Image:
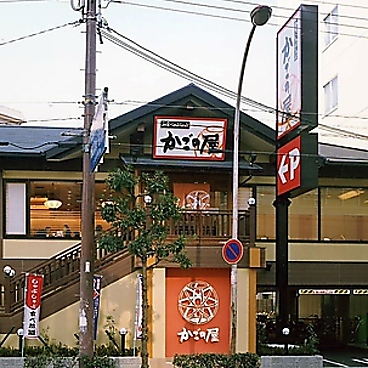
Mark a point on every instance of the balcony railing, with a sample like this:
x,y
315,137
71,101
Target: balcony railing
x,y
211,223
63,269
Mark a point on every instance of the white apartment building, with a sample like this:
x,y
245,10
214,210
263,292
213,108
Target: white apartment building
x,y
343,71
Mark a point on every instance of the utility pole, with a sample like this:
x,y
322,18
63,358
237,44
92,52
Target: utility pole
x,y
87,259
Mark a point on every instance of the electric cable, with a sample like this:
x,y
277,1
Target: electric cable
x,y
75,23
184,73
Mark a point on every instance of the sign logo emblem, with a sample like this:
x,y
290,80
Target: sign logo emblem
x,y
198,302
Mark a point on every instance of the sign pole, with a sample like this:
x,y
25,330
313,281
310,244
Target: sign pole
x,y
282,261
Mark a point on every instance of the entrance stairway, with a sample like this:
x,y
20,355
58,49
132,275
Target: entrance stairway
x,y
61,283
205,232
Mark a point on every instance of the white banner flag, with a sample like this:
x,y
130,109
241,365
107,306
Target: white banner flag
x,y
138,316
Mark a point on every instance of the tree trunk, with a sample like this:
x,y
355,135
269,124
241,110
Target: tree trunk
x,y
144,353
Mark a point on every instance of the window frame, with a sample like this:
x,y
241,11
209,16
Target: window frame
x,y
331,95
331,23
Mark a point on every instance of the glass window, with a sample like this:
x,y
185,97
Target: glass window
x,y
303,216
55,208
331,95
266,219
16,209
344,214
331,26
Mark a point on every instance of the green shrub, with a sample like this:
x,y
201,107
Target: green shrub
x,y
239,360
98,362
41,361
308,347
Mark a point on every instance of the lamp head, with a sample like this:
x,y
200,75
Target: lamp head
x,y
251,201
147,199
9,271
260,15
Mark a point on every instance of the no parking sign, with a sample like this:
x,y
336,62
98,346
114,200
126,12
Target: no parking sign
x,y
232,251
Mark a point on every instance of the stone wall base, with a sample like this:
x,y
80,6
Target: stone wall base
x,y
291,361
121,362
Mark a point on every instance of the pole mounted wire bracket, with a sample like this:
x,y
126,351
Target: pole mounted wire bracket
x,y
77,5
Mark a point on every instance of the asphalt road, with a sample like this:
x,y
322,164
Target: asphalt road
x,y
345,357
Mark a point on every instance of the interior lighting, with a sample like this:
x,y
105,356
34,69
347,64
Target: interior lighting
x,y
350,194
53,204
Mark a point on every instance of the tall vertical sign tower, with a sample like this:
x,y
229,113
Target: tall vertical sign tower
x,y
297,115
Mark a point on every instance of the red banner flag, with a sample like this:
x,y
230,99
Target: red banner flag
x,y
32,305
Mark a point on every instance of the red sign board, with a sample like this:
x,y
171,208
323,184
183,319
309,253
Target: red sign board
x,y
288,166
297,165
34,290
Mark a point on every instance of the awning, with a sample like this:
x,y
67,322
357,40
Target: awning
x,y
148,162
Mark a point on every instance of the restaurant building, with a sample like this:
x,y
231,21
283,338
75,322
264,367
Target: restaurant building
x,y
188,135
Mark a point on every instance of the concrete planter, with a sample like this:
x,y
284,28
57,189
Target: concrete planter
x,y
272,361
292,361
121,362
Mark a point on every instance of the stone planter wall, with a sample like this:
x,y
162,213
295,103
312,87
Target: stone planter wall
x,y
123,362
292,361
135,362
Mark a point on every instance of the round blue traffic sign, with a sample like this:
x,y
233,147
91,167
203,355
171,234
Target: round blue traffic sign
x,y
232,251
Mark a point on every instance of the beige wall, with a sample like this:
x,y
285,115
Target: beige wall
x,y
326,252
117,300
158,313
34,248
243,306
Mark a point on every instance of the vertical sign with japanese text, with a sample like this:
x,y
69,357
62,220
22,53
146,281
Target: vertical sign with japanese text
x,y
297,72
289,75
189,138
32,305
297,103
96,302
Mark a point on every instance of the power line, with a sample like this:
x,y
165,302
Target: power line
x,y
184,73
178,10
179,71
341,4
176,69
240,19
75,23
291,10
183,2
247,152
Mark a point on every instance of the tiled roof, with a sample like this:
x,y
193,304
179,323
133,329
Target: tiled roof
x,y
34,141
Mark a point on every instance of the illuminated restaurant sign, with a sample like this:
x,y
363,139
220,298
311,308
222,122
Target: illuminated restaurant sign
x,y
189,138
297,72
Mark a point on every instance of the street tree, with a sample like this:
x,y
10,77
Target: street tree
x,y
142,207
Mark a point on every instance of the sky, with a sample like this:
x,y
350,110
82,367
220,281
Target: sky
x,y
43,76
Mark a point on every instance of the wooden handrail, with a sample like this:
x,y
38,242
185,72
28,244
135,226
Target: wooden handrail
x,y
63,269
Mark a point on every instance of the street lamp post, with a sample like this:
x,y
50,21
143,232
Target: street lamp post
x,y
259,16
